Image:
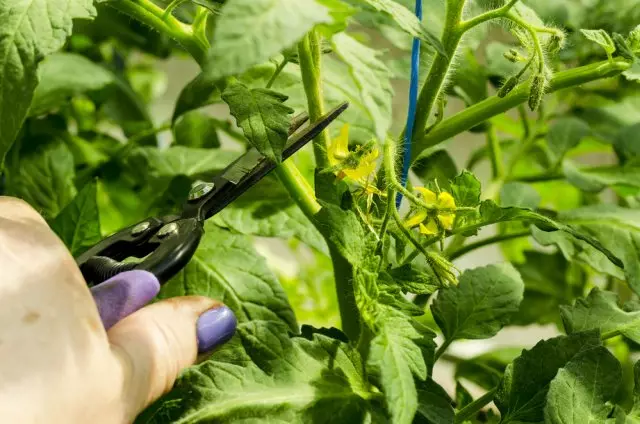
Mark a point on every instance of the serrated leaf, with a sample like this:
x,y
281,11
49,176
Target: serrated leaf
x,y
267,210
178,160
63,75
633,73
414,280
600,37
565,134
263,117
396,357
522,392
600,310
196,129
227,268
617,229
249,32
597,179
78,224
465,189
408,21
581,390
372,78
296,380
481,304
342,229
29,31
41,173
434,404
634,40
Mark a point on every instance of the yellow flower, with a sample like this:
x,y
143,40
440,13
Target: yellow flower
x,y
358,165
427,223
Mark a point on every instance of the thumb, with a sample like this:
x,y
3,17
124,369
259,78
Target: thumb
x,y
156,343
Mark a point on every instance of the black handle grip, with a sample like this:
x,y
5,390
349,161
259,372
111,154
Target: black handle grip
x,y
101,268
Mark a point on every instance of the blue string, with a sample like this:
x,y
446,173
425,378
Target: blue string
x,y
413,100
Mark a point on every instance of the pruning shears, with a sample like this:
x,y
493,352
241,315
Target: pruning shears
x,y
166,244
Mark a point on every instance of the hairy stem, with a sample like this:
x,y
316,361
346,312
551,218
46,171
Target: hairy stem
x,y
487,16
480,112
474,407
277,72
308,52
148,13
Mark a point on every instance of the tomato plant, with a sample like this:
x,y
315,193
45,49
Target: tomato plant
x,y
376,298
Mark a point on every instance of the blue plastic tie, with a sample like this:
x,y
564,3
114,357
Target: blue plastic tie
x,y
413,100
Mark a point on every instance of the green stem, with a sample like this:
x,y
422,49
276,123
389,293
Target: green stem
x,y
474,407
298,188
443,347
610,334
495,152
432,87
487,16
480,112
277,72
486,242
312,82
150,14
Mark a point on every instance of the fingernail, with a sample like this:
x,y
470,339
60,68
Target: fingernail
x,y
124,294
215,327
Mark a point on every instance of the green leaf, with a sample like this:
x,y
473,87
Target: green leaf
x,y
438,166
462,397
263,117
396,357
486,370
469,81
565,134
600,310
342,229
616,228
413,280
633,73
226,267
179,160
634,40
465,189
597,179
372,78
600,37
581,390
408,21
481,304
196,129
434,404
78,225
64,75
263,375
523,390
548,284
515,194
29,31
267,210
249,32
42,174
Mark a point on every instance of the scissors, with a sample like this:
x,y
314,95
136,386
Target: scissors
x,y
166,244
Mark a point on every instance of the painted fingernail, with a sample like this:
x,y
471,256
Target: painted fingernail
x,y
124,294
215,327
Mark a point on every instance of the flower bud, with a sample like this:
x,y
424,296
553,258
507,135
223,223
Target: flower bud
x,y
508,86
537,92
555,43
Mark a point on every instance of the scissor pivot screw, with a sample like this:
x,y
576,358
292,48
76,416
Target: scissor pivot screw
x,y
167,230
200,190
140,228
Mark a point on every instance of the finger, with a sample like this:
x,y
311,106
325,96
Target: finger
x,y
160,340
123,294
19,210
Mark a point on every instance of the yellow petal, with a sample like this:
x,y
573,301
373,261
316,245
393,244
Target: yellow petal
x,y
416,219
429,229
339,148
446,219
430,198
446,201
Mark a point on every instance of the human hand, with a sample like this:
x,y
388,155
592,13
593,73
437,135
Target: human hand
x,y
73,355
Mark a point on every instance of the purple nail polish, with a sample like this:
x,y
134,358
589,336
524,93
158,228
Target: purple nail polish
x,y
215,327
124,294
